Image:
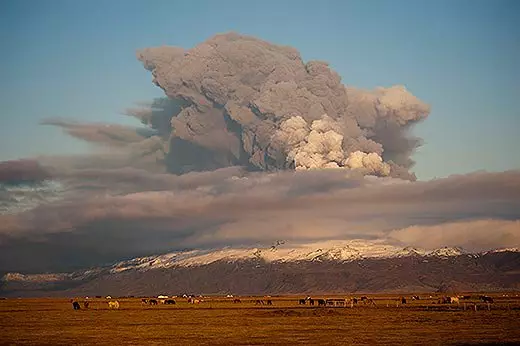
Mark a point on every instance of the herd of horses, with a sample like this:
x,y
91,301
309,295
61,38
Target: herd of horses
x,y
114,304
145,301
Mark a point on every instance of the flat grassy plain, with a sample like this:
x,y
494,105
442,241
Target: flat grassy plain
x,y
219,321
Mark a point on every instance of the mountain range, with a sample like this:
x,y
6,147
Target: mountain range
x,y
319,268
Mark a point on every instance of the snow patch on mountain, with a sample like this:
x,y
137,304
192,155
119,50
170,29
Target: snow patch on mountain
x,y
446,252
35,277
509,249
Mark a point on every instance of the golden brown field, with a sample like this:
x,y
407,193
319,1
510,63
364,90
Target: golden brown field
x,y
219,321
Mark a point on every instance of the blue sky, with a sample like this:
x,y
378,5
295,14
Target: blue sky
x,y
77,59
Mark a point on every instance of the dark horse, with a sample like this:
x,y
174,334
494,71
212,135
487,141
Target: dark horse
x,y
75,306
169,301
486,299
301,302
152,302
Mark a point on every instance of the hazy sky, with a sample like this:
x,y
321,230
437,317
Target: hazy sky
x,y
77,59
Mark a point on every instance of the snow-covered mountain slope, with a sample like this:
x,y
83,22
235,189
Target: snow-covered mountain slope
x,y
331,250
340,251
281,252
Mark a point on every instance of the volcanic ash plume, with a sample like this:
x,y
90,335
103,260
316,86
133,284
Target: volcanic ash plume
x,y
238,100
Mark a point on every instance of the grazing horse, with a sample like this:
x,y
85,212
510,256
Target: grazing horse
x,y
311,301
321,302
152,302
269,302
86,304
486,299
169,301
454,300
236,300
75,305
113,305
415,297
445,300
144,301
302,301
259,302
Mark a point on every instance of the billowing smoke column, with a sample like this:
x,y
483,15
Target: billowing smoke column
x,y
245,101
238,100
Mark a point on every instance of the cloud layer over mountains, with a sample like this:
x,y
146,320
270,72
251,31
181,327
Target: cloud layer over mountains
x,y
102,215
251,145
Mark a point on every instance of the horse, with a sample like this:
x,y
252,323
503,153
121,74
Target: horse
x,y
311,301
302,302
75,305
454,300
269,302
152,302
86,304
113,305
444,300
144,301
486,299
321,302
259,302
169,301
236,300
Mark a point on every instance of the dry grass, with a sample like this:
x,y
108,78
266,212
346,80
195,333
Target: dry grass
x,y
218,321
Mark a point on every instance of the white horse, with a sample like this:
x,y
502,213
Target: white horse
x,y
454,300
113,305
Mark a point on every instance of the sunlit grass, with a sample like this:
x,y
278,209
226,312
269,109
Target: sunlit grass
x,y
219,321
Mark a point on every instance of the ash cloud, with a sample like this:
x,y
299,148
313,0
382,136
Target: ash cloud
x,y
148,213
22,171
469,235
237,100
246,100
